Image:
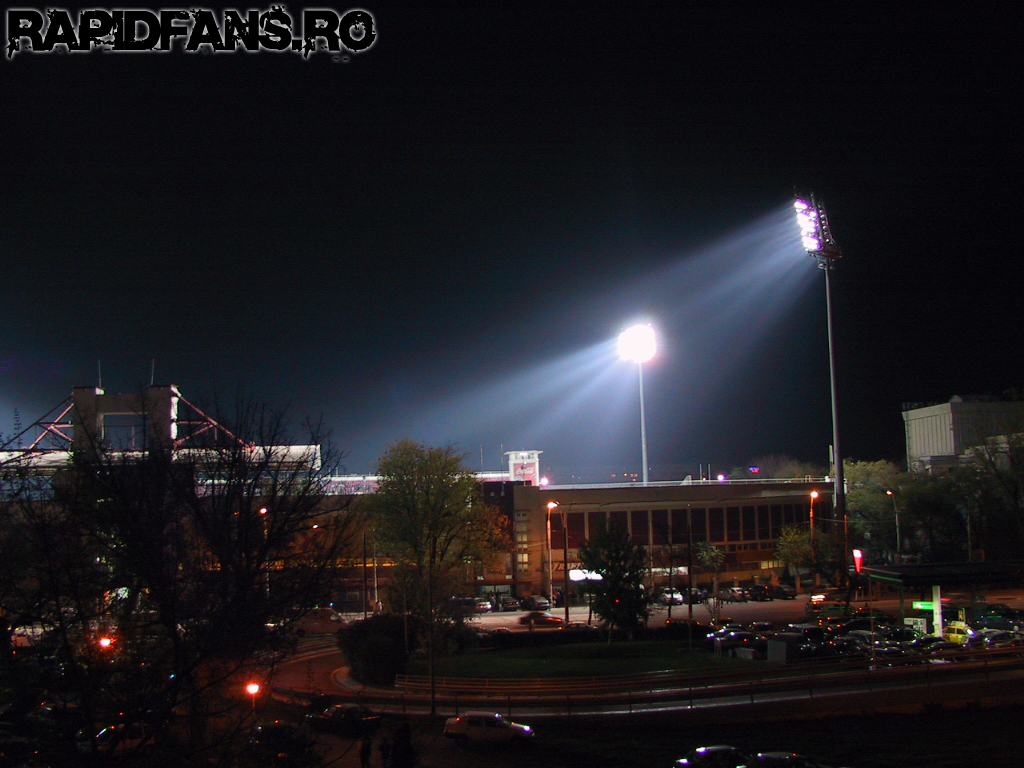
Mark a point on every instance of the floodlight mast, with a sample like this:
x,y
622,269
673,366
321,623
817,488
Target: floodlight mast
x,y
818,242
638,345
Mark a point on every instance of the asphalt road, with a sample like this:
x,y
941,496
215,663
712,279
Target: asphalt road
x,y
321,672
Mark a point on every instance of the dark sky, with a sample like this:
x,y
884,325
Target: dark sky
x,y
433,237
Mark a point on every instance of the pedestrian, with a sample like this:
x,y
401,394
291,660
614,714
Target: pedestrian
x,y
385,752
365,750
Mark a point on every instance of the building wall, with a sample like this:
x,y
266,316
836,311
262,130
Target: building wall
x,y
743,518
938,435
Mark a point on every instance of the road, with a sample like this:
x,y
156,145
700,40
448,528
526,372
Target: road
x,y
322,673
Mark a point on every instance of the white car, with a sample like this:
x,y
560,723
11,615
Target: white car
x,y
485,728
670,597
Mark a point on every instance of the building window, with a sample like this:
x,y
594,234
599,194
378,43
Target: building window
x,y
523,558
732,523
716,525
659,527
638,522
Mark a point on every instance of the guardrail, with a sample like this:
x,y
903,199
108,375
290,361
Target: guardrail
x,y
800,674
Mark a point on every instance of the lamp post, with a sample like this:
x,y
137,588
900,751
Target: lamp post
x,y
637,344
817,241
896,514
565,555
253,690
266,535
814,554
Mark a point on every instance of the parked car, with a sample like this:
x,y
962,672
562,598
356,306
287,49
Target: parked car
x,y
1005,623
758,593
540,618
482,605
729,640
486,728
535,603
734,595
684,628
1002,610
671,597
718,756
114,739
957,632
579,626
782,592
509,603
349,720
782,760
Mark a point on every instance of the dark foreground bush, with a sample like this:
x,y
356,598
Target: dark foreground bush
x,y
375,648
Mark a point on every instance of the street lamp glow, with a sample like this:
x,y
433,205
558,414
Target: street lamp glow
x,y
252,689
637,344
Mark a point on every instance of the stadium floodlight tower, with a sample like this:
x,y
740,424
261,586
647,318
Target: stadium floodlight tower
x,y
637,344
818,242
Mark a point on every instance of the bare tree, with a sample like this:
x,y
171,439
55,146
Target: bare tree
x,y
190,563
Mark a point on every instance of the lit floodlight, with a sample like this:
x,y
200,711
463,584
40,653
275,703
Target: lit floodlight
x,y
818,242
814,232
637,344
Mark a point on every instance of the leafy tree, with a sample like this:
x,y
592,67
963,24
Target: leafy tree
x,y
710,559
429,517
619,596
871,510
822,556
793,547
999,464
375,648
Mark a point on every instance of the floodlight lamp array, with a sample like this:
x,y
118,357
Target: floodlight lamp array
x,y
814,232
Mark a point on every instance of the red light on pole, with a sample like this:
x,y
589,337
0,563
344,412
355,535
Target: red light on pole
x,y
858,560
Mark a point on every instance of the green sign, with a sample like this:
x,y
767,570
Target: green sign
x,y
923,606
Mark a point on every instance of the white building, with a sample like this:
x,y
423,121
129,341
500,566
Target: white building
x,y
939,437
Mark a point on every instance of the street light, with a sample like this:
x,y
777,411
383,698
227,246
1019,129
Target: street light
x,y
817,241
896,514
565,556
253,689
814,558
637,345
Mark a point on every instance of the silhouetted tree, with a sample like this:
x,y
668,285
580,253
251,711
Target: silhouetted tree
x,y
619,595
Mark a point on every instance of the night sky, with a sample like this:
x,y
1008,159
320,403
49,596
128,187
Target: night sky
x,y
440,237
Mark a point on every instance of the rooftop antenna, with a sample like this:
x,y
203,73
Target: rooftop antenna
x,y
99,375
152,372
